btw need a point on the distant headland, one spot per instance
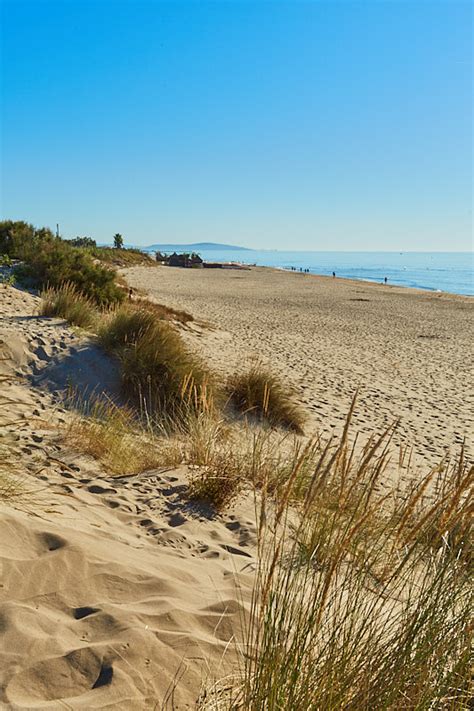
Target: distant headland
(194, 247)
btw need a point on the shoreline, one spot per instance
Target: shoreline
(454, 274)
(354, 280)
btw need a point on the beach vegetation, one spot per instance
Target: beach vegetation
(114, 436)
(162, 311)
(87, 242)
(118, 241)
(47, 260)
(159, 374)
(56, 264)
(217, 475)
(19, 238)
(362, 596)
(12, 485)
(69, 303)
(218, 484)
(260, 394)
(122, 257)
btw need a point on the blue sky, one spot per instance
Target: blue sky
(290, 125)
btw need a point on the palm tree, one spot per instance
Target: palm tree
(118, 241)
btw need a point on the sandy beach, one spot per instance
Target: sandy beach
(114, 592)
(118, 593)
(407, 352)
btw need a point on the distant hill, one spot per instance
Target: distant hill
(195, 247)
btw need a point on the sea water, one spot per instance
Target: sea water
(435, 271)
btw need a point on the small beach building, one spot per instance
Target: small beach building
(185, 260)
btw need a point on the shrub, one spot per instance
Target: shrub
(125, 257)
(51, 261)
(20, 240)
(158, 372)
(57, 263)
(261, 394)
(70, 304)
(82, 242)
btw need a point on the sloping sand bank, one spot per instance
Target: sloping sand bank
(114, 592)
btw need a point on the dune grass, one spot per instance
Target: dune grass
(218, 476)
(113, 435)
(363, 596)
(124, 328)
(122, 257)
(67, 302)
(13, 486)
(262, 395)
(166, 313)
(159, 375)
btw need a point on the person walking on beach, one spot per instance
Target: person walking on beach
(334, 275)
(385, 280)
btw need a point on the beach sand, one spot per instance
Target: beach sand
(407, 352)
(115, 592)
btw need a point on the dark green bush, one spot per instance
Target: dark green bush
(56, 263)
(19, 239)
(48, 261)
(82, 242)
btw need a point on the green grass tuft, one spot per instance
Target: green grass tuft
(159, 374)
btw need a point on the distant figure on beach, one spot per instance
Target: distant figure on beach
(334, 275)
(385, 280)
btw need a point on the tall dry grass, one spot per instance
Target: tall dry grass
(114, 436)
(363, 596)
(208, 445)
(67, 302)
(262, 395)
(12, 484)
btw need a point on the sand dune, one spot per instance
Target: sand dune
(113, 590)
(117, 592)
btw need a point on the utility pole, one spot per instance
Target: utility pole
(57, 230)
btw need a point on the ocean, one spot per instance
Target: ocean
(434, 271)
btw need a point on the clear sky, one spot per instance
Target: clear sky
(290, 125)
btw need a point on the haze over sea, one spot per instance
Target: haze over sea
(435, 271)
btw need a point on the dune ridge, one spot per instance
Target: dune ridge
(113, 589)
